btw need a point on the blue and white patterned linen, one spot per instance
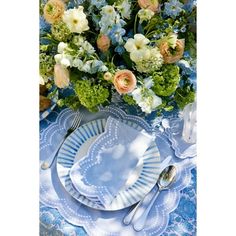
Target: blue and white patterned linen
(95, 222)
(110, 160)
(182, 221)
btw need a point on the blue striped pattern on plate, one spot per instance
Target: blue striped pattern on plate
(138, 185)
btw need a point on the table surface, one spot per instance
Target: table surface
(182, 221)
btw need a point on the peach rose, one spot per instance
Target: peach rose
(53, 11)
(149, 4)
(124, 81)
(172, 57)
(61, 76)
(103, 42)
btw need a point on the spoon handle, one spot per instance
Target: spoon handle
(140, 222)
(128, 218)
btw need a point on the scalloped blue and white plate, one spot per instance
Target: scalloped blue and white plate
(140, 182)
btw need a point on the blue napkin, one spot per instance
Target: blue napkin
(109, 161)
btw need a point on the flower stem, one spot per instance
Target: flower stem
(76, 3)
(89, 31)
(149, 34)
(135, 23)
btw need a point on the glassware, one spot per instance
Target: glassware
(190, 123)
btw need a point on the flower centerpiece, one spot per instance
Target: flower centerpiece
(143, 51)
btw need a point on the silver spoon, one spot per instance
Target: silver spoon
(129, 217)
(166, 178)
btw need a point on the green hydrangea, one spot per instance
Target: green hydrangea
(91, 95)
(46, 65)
(61, 32)
(129, 99)
(166, 80)
(70, 101)
(184, 96)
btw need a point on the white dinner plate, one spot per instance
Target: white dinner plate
(140, 182)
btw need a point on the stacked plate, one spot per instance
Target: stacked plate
(109, 164)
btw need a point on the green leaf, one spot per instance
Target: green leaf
(184, 96)
(127, 60)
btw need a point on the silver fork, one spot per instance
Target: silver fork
(75, 124)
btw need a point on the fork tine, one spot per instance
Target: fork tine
(78, 121)
(76, 118)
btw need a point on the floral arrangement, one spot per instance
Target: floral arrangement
(143, 51)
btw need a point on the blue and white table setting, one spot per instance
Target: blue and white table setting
(107, 166)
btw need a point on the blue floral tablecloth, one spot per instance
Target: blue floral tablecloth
(182, 221)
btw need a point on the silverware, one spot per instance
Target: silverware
(166, 178)
(75, 124)
(129, 217)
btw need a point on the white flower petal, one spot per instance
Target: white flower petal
(130, 45)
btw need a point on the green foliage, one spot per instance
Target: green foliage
(46, 65)
(190, 44)
(184, 96)
(129, 99)
(111, 2)
(41, 6)
(159, 25)
(91, 95)
(127, 60)
(166, 80)
(165, 106)
(70, 101)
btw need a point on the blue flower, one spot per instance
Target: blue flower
(80, 1)
(44, 26)
(185, 66)
(96, 66)
(173, 8)
(183, 29)
(130, 34)
(120, 49)
(116, 34)
(120, 22)
(98, 3)
(74, 4)
(190, 5)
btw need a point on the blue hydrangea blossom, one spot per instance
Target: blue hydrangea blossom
(173, 8)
